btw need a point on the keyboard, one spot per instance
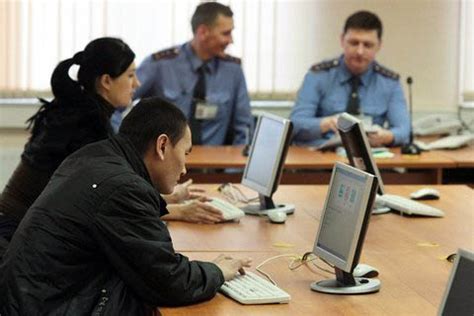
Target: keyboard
(448, 142)
(229, 211)
(252, 289)
(407, 206)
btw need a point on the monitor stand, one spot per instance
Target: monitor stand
(345, 283)
(266, 204)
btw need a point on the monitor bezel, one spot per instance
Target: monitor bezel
(281, 153)
(363, 217)
(346, 124)
(460, 253)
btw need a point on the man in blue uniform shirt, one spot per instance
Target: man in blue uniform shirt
(353, 83)
(205, 83)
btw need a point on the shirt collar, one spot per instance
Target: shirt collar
(196, 62)
(345, 75)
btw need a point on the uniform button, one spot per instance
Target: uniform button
(94, 186)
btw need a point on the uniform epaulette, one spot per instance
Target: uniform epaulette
(166, 53)
(386, 72)
(325, 65)
(230, 58)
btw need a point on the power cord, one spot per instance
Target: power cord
(465, 125)
(234, 194)
(294, 264)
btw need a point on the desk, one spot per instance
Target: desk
(408, 251)
(464, 160)
(463, 157)
(306, 166)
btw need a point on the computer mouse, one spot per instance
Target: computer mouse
(246, 150)
(363, 270)
(425, 194)
(277, 216)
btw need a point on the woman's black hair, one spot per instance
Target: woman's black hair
(106, 55)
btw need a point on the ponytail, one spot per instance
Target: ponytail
(63, 87)
(61, 83)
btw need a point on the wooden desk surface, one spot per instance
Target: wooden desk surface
(305, 158)
(463, 157)
(408, 251)
(255, 233)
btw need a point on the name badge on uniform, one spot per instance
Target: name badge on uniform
(205, 110)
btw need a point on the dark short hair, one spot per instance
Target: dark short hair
(364, 20)
(207, 13)
(150, 118)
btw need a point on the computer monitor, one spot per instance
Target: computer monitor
(356, 143)
(342, 229)
(458, 298)
(265, 163)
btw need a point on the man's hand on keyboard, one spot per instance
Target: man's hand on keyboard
(194, 211)
(230, 266)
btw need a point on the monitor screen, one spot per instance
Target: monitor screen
(357, 146)
(345, 216)
(267, 154)
(459, 296)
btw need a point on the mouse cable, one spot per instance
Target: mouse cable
(294, 264)
(234, 194)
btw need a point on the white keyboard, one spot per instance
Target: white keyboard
(252, 289)
(229, 211)
(448, 142)
(407, 206)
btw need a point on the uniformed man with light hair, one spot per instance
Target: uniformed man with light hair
(202, 80)
(353, 83)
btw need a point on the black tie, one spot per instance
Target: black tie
(353, 106)
(199, 95)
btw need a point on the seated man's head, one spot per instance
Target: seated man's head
(212, 26)
(361, 40)
(160, 133)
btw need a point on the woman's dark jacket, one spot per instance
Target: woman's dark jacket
(93, 242)
(59, 129)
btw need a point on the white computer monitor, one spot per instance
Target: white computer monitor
(342, 229)
(458, 298)
(357, 146)
(265, 163)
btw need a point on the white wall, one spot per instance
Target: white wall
(421, 39)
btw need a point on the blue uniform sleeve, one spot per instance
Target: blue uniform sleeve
(242, 122)
(303, 115)
(398, 117)
(116, 120)
(147, 74)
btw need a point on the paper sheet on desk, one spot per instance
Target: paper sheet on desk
(381, 152)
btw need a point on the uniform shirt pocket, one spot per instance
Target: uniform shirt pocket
(171, 95)
(332, 104)
(222, 101)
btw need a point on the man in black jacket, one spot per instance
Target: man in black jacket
(93, 242)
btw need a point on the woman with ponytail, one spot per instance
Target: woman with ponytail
(78, 115)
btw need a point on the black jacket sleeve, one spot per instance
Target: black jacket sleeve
(138, 246)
